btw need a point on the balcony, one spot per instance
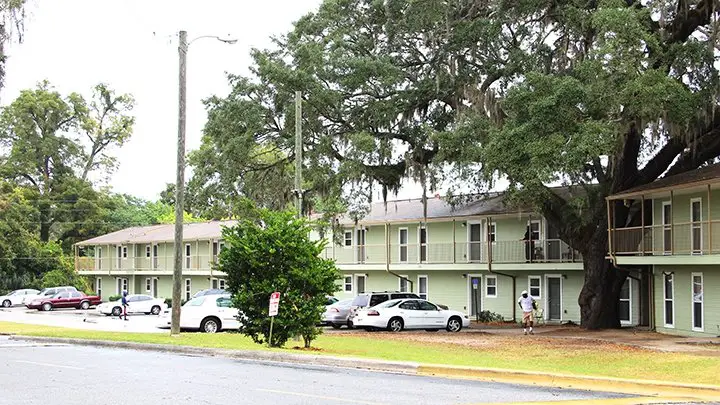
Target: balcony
(506, 252)
(193, 262)
(689, 238)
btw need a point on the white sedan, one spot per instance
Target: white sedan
(137, 304)
(16, 297)
(207, 313)
(396, 315)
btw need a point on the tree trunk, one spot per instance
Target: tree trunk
(600, 294)
(44, 227)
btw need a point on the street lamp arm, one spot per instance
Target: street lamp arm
(227, 41)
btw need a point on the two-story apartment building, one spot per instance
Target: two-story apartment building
(679, 241)
(471, 257)
(140, 259)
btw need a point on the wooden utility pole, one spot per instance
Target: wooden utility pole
(298, 152)
(179, 188)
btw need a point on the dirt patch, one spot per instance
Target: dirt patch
(307, 349)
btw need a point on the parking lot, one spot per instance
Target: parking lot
(80, 319)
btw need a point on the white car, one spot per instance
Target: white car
(16, 297)
(207, 313)
(46, 293)
(409, 313)
(137, 304)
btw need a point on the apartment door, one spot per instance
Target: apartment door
(361, 245)
(625, 305)
(553, 244)
(475, 242)
(475, 295)
(360, 283)
(554, 300)
(155, 287)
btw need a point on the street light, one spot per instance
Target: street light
(180, 183)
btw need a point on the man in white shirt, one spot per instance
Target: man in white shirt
(527, 304)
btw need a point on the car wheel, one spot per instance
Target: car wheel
(116, 311)
(336, 325)
(210, 325)
(84, 305)
(47, 306)
(350, 324)
(454, 324)
(155, 310)
(395, 325)
(6, 304)
(431, 330)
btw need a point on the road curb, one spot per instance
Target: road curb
(590, 383)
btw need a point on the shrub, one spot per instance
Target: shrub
(114, 297)
(168, 302)
(487, 316)
(271, 251)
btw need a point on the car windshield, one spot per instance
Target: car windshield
(388, 304)
(195, 302)
(17, 292)
(343, 303)
(331, 300)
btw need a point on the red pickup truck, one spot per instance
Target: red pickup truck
(65, 299)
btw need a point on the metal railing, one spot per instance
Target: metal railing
(687, 238)
(160, 263)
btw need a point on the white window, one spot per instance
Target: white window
(697, 302)
(348, 239)
(148, 285)
(98, 258)
(669, 298)
(222, 284)
(188, 258)
(667, 226)
(492, 232)
(403, 284)
(423, 287)
(534, 230)
(98, 286)
(534, 286)
(403, 244)
(215, 251)
(423, 239)
(696, 225)
(122, 285)
(124, 252)
(626, 302)
(348, 283)
(148, 251)
(491, 286)
(188, 289)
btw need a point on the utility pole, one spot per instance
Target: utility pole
(298, 151)
(179, 188)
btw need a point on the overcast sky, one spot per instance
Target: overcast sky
(132, 46)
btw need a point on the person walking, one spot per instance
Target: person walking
(527, 304)
(124, 303)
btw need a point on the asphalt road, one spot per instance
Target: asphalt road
(32, 373)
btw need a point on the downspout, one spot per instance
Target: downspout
(490, 270)
(387, 257)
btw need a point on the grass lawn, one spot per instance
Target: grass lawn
(567, 356)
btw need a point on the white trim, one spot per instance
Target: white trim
(187, 256)
(486, 286)
(529, 287)
(546, 311)
(471, 242)
(469, 292)
(222, 284)
(155, 256)
(400, 280)
(148, 251)
(488, 226)
(540, 229)
(355, 286)
(696, 225)
(358, 245)
(665, 227)
(345, 283)
(427, 287)
(98, 257)
(121, 283)
(702, 302)
(345, 239)
(148, 285)
(672, 299)
(630, 301)
(98, 286)
(406, 245)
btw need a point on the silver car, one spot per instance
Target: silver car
(336, 314)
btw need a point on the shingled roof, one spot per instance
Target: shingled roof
(160, 233)
(704, 175)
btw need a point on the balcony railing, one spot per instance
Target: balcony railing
(537, 251)
(688, 238)
(193, 262)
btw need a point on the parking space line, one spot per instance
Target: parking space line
(608, 401)
(48, 365)
(300, 394)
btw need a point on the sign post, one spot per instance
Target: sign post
(273, 311)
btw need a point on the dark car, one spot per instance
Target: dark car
(65, 299)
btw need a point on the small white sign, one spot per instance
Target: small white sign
(274, 303)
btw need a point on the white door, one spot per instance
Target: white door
(432, 318)
(411, 313)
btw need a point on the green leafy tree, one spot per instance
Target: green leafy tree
(271, 251)
(12, 26)
(601, 95)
